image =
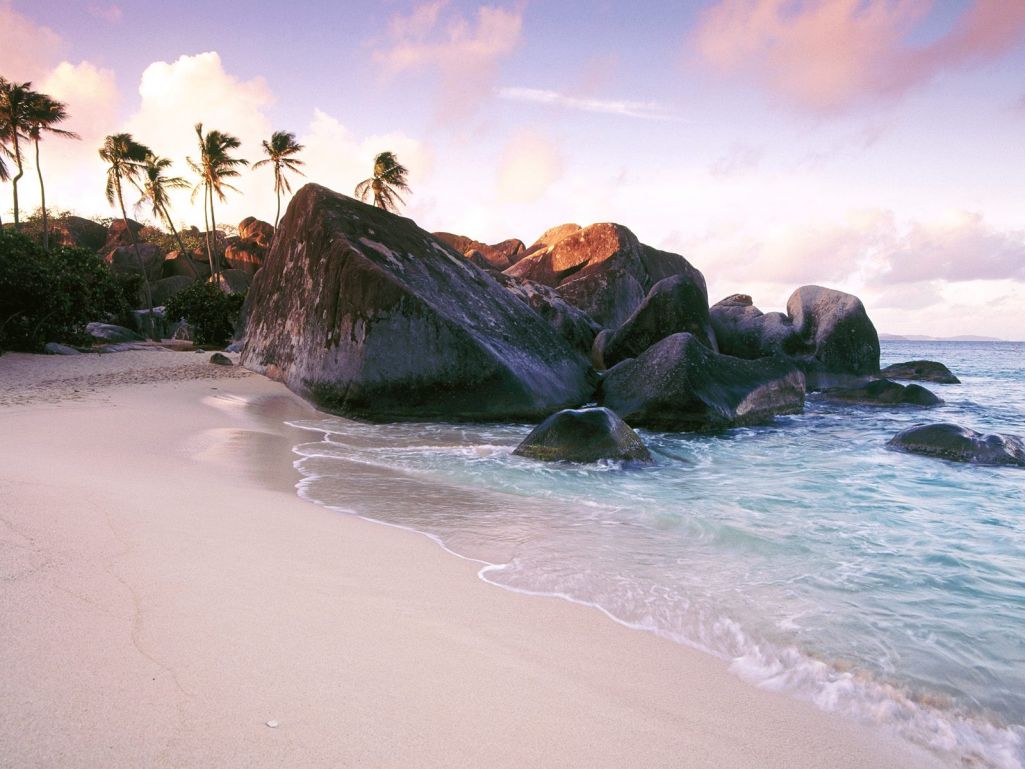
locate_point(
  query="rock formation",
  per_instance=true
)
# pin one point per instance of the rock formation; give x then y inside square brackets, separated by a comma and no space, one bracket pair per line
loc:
[370,316]
[921,371]
[78,232]
[680,384]
[959,444]
[583,435]
[883,392]
[573,324]
[248,251]
[499,256]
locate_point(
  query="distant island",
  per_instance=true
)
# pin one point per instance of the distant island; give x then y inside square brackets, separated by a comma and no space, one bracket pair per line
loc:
[923,338]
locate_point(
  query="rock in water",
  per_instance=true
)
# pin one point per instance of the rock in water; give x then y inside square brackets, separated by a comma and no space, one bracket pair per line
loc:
[883,392]
[680,384]
[370,316]
[602,269]
[959,444]
[583,435]
[841,340]
[921,371]
[675,304]
[744,331]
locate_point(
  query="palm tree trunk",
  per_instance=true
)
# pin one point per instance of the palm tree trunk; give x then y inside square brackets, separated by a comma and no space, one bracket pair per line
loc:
[278,214]
[138,258]
[42,201]
[14,179]
[213,233]
[177,237]
[206,225]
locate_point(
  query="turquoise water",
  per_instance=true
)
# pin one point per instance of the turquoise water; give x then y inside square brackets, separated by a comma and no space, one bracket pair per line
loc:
[883,585]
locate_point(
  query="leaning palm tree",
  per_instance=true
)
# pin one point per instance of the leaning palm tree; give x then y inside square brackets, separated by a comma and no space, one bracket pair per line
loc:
[126,157]
[15,99]
[43,114]
[279,149]
[389,176]
[214,166]
[155,187]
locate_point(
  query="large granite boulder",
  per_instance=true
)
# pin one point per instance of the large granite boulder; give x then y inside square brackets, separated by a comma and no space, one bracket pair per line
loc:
[118,234]
[257,231]
[77,232]
[959,444]
[921,371]
[109,332]
[674,304]
[145,259]
[602,269]
[583,435]
[498,256]
[552,236]
[234,281]
[826,332]
[883,392]
[165,288]
[680,384]
[245,255]
[370,316]
[190,265]
[573,324]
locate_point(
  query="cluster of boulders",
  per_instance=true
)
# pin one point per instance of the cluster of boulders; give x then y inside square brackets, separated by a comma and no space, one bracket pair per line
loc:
[369,316]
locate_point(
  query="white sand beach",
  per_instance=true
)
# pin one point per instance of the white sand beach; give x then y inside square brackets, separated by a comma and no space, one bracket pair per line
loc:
[165,595]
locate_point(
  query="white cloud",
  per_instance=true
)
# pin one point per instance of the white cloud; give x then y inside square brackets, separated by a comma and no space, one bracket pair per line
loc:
[645,110]
[530,163]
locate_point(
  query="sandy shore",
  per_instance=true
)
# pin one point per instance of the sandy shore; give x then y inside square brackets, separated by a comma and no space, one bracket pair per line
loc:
[164,594]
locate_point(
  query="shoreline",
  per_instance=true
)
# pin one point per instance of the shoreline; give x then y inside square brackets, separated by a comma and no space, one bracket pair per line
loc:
[167,593]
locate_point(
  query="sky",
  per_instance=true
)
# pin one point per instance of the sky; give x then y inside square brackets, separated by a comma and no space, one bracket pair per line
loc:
[874,146]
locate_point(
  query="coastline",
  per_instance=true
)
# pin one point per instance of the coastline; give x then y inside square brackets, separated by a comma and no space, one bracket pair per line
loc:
[166,593]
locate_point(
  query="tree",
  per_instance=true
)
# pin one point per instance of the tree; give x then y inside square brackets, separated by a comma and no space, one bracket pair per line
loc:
[155,187]
[280,149]
[389,176]
[43,114]
[15,99]
[126,157]
[214,166]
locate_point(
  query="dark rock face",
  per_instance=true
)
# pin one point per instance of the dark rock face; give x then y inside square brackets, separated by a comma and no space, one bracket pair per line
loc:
[123,259]
[883,392]
[78,232]
[235,281]
[499,256]
[117,234]
[675,304]
[583,435]
[108,332]
[598,348]
[921,371]
[371,316]
[959,444]
[192,265]
[826,332]
[165,288]
[680,384]
[572,324]
[602,269]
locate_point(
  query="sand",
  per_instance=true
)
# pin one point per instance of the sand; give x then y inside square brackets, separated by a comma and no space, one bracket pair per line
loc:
[164,595]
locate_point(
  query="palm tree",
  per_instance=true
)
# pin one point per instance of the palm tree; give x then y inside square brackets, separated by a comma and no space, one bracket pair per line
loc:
[389,176]
[155,187]
[214,166]
[43,114]
[279,149]
[126,158]
[15,99]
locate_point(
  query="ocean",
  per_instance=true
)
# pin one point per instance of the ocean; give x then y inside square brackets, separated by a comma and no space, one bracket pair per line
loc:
[886,586]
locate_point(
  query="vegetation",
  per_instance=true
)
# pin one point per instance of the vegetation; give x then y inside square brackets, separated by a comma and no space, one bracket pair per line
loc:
[215,164]
[43,115]
[389,176]
[155,187]
[15,100]
[48,296]
[212,313]
[280,150]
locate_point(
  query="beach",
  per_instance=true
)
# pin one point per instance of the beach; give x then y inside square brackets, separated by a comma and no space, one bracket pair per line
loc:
[166,599]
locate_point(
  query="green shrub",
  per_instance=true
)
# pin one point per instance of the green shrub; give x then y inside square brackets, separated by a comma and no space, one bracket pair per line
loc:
[212,313]
[50,297]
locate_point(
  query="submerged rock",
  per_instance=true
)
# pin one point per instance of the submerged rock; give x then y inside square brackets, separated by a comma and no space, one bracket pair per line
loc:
[921,371]
[370,316]
[583,435]
[680,384]
[960,444]
[883,392]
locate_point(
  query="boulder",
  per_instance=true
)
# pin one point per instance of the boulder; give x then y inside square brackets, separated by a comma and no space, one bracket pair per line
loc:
[921,371]
[219,359]
[680,384]
[583,435]
[258,232]
[117,234]
[883,392]
[744,331]
[77,232]
[959,444]
[56,348]
[165,288]
[192,265]
[234,281]
[123,260]
[245,255]
[840,339]
[370,316]
[598,349]
[498,256]
[674,304]
[108,332]
[552,236]
[572,324]
[602,269]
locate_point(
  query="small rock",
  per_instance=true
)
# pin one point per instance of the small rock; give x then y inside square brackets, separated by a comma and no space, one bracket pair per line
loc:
[56,348]
[272,724]
[221,360]
[583,435]
[883,392]
[959,444]
[108,332]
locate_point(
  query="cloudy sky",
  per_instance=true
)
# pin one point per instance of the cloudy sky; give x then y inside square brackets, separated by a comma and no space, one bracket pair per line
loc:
[876,146]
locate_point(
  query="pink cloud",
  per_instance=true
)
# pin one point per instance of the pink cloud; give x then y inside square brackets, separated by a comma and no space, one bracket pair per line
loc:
[29,50]
[111,14]
[830,54]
